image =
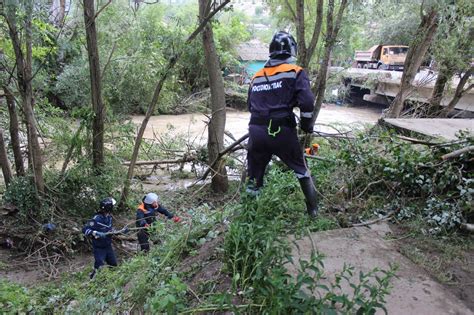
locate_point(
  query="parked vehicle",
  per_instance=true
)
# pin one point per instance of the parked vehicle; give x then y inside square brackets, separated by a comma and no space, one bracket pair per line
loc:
[383,57]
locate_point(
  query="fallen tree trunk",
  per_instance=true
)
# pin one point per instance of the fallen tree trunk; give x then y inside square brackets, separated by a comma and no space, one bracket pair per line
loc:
[158,162]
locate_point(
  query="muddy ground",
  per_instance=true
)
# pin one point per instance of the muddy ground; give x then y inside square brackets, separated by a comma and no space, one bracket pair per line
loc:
[414,290]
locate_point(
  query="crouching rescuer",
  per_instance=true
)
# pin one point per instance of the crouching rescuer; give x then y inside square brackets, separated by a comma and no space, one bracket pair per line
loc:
[273,93]
[146,216]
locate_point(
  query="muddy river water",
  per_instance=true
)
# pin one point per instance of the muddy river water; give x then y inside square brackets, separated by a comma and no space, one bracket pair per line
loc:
[193,126]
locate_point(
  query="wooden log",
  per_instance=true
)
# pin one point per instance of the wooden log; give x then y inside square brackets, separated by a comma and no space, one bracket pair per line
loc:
[457,153]
[158,162]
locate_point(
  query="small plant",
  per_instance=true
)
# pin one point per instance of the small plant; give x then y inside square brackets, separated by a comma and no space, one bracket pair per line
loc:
[14,298]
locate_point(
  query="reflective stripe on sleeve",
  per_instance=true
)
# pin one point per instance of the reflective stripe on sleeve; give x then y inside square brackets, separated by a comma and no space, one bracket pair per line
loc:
[306,114]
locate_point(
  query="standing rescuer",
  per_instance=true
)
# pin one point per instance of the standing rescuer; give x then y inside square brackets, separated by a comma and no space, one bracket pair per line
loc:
[146,215]
[98,228]
[273,93]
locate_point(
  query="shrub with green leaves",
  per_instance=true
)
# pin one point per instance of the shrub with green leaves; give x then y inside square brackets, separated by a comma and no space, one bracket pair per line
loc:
[407,178]
[14,299]
[21,193]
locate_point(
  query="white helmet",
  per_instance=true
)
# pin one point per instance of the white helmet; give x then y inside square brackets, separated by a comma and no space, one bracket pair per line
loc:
[150,198]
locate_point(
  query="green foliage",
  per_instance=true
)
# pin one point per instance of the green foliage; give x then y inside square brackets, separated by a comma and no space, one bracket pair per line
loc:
[168,298]
[14,299]
[381,165]
[72,84]
[134,50]
[452,46]
[80,191]
[22,194]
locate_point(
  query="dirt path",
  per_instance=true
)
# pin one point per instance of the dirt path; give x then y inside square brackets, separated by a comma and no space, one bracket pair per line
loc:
[413,292]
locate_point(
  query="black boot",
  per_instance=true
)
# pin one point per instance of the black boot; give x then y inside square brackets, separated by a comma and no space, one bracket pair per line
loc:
[310,195]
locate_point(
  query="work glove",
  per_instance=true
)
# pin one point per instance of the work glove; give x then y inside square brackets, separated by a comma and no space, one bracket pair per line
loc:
[306,125]
[176,219]
[98,234]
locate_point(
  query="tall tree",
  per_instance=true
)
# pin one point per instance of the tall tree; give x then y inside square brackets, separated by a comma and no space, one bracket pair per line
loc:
[306,52]
[451,48]
[460,91]
[416,53]
[215,141]
[214,8]
[24,79]
[333,25]
[94,69]
[5,164]
[14,132]
[57,11]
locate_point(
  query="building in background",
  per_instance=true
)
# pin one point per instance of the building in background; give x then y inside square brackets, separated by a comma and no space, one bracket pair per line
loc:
[252,56]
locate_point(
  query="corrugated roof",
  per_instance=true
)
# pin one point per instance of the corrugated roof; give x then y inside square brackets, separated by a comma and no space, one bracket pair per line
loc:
[253,50]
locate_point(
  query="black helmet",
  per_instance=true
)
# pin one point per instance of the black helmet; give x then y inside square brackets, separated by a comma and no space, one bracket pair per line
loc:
[283,44]
[107,204]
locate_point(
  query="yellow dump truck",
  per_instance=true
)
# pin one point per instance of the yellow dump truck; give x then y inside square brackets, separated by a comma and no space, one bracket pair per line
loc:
[383,57]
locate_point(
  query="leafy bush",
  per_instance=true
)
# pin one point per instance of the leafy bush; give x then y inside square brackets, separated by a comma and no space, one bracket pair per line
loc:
[80,191]
[14,299]
[22,194]
[380,164]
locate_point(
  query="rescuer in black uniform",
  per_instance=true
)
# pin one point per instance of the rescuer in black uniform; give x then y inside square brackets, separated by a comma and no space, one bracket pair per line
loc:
[273,93]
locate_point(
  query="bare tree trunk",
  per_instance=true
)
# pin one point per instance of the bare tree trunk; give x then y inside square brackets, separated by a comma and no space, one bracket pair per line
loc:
[215,142]
[94,69]
[24,77]
[213,8]
[316,32]
[6,170]
[57,11]
[444,74]
[305,52]
[300,31]
[14,132]
[425,34]
[332,30]
[460,91]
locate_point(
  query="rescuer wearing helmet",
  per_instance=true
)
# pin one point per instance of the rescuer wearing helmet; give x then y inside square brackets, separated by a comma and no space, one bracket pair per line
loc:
[146,215]
[98,228]
[273,93]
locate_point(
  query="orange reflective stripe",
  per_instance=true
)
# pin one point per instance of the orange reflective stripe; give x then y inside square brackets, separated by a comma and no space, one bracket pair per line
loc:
[141,207]
[278,69]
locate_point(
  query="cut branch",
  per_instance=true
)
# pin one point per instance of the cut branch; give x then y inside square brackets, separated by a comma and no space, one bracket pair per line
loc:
[457,153]
[385,217]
